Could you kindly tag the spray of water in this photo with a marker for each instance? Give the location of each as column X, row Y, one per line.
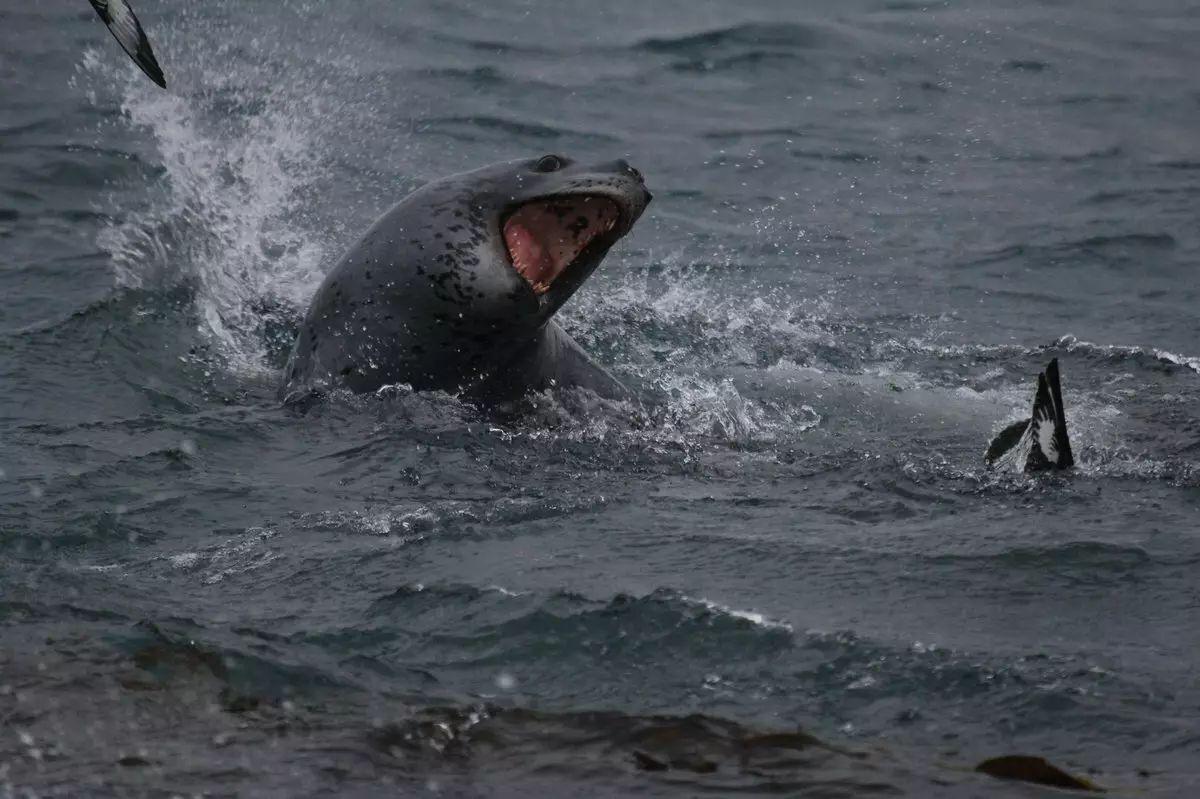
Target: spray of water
column 223, row 217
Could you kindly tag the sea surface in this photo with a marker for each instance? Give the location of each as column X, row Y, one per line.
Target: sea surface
column 874, row 222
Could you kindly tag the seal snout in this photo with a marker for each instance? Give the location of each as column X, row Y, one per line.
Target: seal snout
column 629, row 169
column 558, row 226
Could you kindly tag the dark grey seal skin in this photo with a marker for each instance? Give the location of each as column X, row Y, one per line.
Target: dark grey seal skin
column 430, row 295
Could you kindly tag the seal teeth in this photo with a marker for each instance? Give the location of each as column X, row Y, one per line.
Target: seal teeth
column 544, row 238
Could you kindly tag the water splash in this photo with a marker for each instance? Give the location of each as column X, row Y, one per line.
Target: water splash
column 226, row 217
column 677, row 329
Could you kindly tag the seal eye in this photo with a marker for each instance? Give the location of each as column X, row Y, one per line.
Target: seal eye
column 549, row 163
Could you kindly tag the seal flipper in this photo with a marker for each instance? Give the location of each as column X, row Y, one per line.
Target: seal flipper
column 127, row 30
column 555, row 359
column 1040, row 442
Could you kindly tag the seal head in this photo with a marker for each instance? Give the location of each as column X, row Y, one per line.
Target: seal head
column 455, row 287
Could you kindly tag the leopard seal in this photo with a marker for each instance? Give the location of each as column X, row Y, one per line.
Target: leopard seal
column 455, row 287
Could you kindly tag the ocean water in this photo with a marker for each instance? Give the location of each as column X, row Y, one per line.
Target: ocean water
column 874, row 222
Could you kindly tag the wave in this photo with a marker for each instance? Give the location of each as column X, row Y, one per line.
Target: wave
column 1145, row 356
column 1118, row 245
column 745, row 133
column 504, row 622
column 443, row 519
column 482, row 128
column 482, row 75
column 291, row 728
column 732, row 62
column 493, row 46
column 1026, row 65
column 757, row 34
column 1091, row 559
column 1182, row 165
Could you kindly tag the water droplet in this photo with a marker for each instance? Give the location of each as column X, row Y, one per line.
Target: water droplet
column 120, row 510
column 37, row 492
column 187, row 447
column 505, row 681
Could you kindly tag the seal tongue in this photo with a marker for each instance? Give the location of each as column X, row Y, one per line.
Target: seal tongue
column 544, row 237
column 528, row 256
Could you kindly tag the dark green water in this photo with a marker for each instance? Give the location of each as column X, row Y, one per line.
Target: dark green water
column 873, row 224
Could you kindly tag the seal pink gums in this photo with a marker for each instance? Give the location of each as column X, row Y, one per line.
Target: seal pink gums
column 545, row 236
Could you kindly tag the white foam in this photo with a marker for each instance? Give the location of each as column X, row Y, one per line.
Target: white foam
column 184, row 560
column 1072, row 344
column 755, row 618
column 239, row 555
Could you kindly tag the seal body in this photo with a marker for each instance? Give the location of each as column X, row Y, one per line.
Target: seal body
column 455, row 287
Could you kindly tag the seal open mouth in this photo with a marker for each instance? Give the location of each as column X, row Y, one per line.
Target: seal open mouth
column 544, row 237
